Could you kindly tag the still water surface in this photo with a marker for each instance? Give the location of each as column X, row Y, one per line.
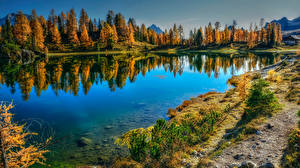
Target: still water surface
column 100, row 97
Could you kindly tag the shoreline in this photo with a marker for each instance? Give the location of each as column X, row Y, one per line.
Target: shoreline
column 210, row 150
column 176, row 51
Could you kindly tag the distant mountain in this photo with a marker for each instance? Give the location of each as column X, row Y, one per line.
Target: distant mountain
column 288, row 25
column 11, row 17
column 156, row 29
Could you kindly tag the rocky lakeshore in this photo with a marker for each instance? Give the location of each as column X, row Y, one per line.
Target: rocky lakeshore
column 260, row 142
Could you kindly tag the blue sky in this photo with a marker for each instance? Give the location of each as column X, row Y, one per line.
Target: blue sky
column 189, row 13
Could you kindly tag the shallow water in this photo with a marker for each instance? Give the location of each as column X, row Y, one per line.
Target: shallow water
column 100, row 97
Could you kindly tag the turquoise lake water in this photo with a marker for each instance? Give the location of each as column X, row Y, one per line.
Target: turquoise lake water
column 100, row 97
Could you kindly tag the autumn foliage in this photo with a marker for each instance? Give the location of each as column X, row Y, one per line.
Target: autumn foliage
column 15, row 151
column 61, row 30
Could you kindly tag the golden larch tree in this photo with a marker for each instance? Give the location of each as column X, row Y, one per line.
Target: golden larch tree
column 84, row 37
column 55, row 35
column 37, row 32
column 115, row 34
column 22, row 30
column 131, row 34
column 14, row 150
column 106, row 33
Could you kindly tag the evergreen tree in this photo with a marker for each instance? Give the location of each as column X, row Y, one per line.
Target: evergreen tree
column 72, row 27
column 262, row 23
column 44, row 25
column 181, row 33
column 171, row 37
column 233, row 30
column 273, row 35
column 7, row 32
column 83, row 20
column 144, row 34
column 199, row 37
column 121, row 27
column 227, row 35
column 176, row 35
column 110, row 17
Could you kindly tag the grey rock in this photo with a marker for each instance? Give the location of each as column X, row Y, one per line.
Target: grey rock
column 269, row 126
column 258, row 132
column 267, row 165
column 238, row 156
column 247, row 164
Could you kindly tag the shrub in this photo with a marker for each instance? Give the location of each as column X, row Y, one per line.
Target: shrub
column 7, row 48
column 274, row 76
column 166, row 138
column 138, row 146
column 261, row 101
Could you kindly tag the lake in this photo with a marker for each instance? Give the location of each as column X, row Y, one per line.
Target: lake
column 99, row 97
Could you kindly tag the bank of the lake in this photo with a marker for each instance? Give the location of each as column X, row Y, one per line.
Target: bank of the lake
column 223, row 50
column 262, row 141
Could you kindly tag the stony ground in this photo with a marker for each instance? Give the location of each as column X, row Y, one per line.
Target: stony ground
column 270, row 141
column 267, row 145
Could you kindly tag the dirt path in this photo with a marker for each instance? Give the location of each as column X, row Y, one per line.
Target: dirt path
column 267, row 145
column 270, row 141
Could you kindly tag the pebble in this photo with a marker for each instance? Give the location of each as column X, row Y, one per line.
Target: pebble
column 263, row 141
column 238, row 156
column 258, row 132
column 269, row 126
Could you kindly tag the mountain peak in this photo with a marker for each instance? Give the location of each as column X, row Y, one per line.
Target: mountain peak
column 11, row 17
column 156, row 29
column 288, row 25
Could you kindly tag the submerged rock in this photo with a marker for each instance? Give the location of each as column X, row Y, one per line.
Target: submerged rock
column 83, row 141
column 108, row 127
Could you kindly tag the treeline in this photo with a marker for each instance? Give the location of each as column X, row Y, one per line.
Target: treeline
column 269, row 37
column 61, row 31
